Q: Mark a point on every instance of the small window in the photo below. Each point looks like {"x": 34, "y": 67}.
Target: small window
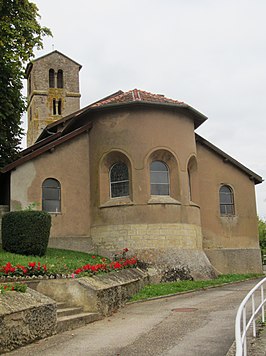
{"x": 227, "y": 206}
{"x": 60, "y": 83}
{"x": 51, "y": 196}
{"x": 51, "y": 78}
{"x": 59, "y": 107}
{"x": 119, "y": 180}
{"x": 159, "y": 178}
{"x": 54, "y": 107}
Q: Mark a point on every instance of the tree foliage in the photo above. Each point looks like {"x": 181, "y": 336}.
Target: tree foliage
{"x": 20, "y": 33}
{"x": 262, "y": 233}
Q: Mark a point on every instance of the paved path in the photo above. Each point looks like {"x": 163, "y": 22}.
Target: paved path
{"x": 156, "y": 328}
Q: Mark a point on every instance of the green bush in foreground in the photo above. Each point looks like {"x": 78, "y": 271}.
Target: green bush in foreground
{"x": 26, "y": 232}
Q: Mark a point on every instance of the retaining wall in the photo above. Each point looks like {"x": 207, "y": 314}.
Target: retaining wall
{"x": 24, "y": 318}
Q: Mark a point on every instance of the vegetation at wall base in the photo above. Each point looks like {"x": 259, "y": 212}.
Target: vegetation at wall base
{"x": 12, "y": 287}
{"x": 26, "y": 232}
{"x": 163, "y": 289}
{"x": 262, "y": 236}
{"x": 56, "y": 260}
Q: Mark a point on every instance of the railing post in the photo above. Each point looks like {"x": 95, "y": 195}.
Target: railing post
{"x": 262, "y": 309}
{"x": 253, "y": 313}
{"x": 243, "y": 330}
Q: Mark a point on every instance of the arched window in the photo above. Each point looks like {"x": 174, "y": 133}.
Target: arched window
{"x": 51, "y": 196}
{"x": 51, "y": 78}
{"x": 119, "y": 180}
{"x": 227, "y": 205}
{"x": 60, "y": 83}
{"x": 159, "y": 178}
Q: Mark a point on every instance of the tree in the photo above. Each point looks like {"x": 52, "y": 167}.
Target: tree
{"x": 20, "y": 33}
{"x": 262, "y": 233}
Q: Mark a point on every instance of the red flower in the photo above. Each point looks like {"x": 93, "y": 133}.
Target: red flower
{"x": 32, "y": 264}
{"x": 117, "y": 265}
{"x": 93, "y": 257}
{"x": 125, "y": 249}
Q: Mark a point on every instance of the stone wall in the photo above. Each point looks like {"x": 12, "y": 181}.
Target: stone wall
{"x": 142, "y": 236}
{"x": 25, "y": 317}
{"x": 162, "y": 245}
{"x": 102, "y": 293}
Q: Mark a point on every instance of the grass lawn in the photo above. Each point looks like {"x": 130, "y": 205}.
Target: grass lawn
{"x": 56, "y": 260}
{"x": 156, "y": 290}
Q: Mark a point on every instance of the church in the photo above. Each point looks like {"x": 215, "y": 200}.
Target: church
{"x": 129, "y": 171}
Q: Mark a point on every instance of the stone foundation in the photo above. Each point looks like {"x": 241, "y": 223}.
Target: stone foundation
{"x": 146, "y": 236}
{"x": 162, "y": 245}
{"x": 235, "y": 260}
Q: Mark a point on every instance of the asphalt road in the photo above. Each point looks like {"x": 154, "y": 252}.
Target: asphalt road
{"x": 199, "y": 323}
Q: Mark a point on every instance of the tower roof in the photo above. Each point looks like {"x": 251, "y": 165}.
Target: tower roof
{"x": 30, "y": 64}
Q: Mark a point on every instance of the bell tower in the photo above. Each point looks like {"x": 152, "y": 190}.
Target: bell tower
{"x": 53, "y": 91}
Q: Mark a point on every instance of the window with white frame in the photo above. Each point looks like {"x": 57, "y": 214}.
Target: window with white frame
{"x": 159, "y": 176}
{"x": 119, "y": 180}
{"x": 51, "y": 196}
{"x": 227, "y": 204}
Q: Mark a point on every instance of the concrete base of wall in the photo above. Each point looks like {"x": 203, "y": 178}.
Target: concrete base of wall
{"x": 76, "y": 243}
{"x": 235, "y": 260}
{"x": 24, "y": 318}
{"x": 194, "y": 261}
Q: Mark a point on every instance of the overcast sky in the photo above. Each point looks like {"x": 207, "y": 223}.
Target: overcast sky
{"x": 210, "y": 54}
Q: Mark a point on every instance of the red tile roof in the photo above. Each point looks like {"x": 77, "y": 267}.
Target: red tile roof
{"x": 136, "y": 95}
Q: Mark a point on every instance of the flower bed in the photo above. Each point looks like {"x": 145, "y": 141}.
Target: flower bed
{"x": 107, "y": 267}
{"x": 37, "y": 270}
{"x": 16, "y": 287}
{"x": 33, "y": 269}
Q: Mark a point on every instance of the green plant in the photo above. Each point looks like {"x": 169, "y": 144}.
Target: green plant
{"x": 156, "y": 290}
{"x": 57, "y": 261}
{"x": 26, "y": 232}
{"x": 16, "y": 287}
{"x": 32, "y": 206}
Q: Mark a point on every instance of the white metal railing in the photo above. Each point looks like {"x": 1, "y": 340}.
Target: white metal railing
{"x": 241, "y": 323}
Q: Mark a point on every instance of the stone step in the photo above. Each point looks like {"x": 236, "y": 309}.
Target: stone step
{"x": 64, "y": 311}
{"x": 71, "y": 322}
{"x": 61, "y": 305}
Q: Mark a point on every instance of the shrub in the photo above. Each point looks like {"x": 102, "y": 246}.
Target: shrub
{"x": 26, "y": 232}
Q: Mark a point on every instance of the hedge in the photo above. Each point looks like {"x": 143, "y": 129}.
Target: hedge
{"x": 26, "y": 232}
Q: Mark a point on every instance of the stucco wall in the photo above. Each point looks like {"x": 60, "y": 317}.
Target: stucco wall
{"x": 232, "y": 233}
{"x": 69, "y": 164}
{"x": 138, "y": 137}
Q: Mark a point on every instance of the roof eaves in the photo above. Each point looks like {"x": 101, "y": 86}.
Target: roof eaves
{"x": 198, "y": 116}
{"x": 226, "y": 158}
{"x": 75, "y": 114}
{"x": 48, "y": 146}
